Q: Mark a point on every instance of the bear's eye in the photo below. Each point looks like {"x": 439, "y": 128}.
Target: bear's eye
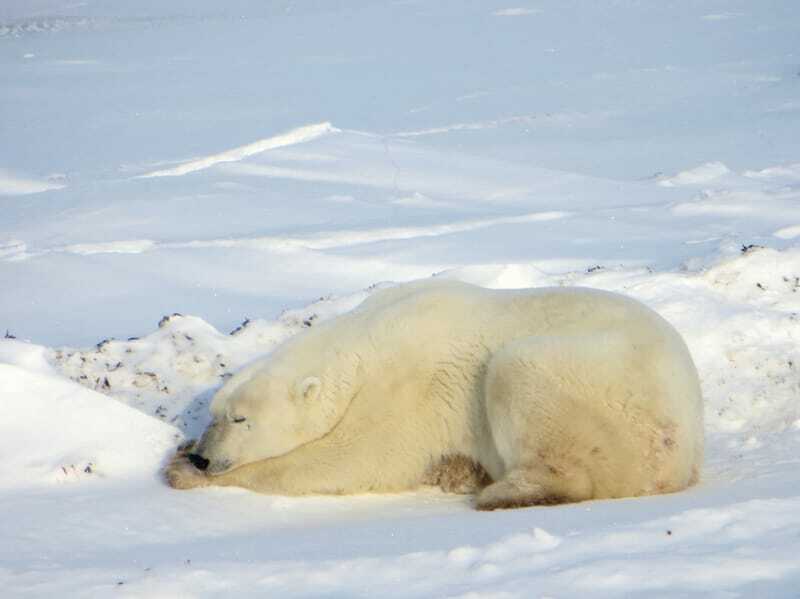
{"x": 238, "y": 419}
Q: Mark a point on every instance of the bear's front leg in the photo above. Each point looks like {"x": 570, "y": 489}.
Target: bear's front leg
{"x": 181, "y": 473}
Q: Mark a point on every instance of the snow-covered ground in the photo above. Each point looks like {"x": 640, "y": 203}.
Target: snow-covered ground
{"x": 185, "y": 184}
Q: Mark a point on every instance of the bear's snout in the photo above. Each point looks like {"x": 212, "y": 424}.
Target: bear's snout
{"x": 198, "y": 461}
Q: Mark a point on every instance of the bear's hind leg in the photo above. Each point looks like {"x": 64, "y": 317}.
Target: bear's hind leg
{"x": 543, "y": 424}
{"x": 584, "y": 417}
{"x": 543, "y": 485}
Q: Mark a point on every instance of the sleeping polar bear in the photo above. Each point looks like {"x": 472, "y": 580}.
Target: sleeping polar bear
{"x": 528, "y": 397}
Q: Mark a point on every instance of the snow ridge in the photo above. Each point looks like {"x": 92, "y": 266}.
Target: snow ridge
{"x": 14, "y": 185}
{"x": 295, "y": 136}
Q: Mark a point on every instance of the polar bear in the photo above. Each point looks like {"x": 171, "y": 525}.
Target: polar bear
{"x": 527, "y": 397}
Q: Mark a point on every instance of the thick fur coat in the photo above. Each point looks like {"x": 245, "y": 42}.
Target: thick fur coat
{"x": 526, "y": 397}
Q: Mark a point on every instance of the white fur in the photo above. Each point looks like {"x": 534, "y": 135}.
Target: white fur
{"x": 559, "y": 394}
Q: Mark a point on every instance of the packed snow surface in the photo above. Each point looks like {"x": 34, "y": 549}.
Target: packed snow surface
{"x": 185, "y": 185}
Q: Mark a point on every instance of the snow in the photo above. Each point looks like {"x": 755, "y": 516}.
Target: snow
{"x": 185, "y": 185}
{"x": 71, "y": 432}
{"x": 14, "y": 185}
{"x": 515, "y": 12}
{"x": 295, "y": 136}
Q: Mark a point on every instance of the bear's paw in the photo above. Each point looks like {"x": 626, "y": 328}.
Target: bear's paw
{"x": 180, "y": 473}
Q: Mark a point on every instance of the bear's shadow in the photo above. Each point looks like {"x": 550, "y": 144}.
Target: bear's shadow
{"x": 195, "y": 417}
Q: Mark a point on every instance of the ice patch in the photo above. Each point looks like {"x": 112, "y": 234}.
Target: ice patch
{"x": 295, "y": 136}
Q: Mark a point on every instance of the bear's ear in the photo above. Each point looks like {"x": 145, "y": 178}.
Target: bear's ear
{"x": 308, "y": 389}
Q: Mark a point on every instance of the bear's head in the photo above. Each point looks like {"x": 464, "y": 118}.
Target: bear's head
{"x": 275, "y": 406}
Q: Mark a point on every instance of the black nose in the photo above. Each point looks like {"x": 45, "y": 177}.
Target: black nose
{"x": 198, "y": 461}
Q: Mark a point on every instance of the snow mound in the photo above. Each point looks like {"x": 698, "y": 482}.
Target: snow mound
{"x": 172, "y": 373}
{"x": 33, "y": 358}
{"x": 705, "y": 173}
{"x": 54, "y": 431}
